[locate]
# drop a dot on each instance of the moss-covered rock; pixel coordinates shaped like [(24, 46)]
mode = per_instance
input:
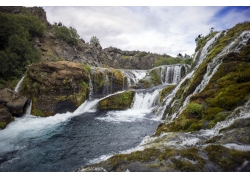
[(118, 101), (5, 116), (107, 81), (165, 91), (153, 159), (227, 159), (56, 87)]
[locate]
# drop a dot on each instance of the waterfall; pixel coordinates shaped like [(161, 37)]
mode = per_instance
[(145, 100), (213, 66), (90, 88), (168, 99), (133, 76), (17, 88)]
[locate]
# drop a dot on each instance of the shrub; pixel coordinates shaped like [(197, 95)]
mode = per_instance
[(194, 109), (141, 54), (167, 61), (16, 50), (94, 40), (69, 35)]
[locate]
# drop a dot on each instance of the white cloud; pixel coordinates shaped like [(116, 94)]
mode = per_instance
[(169, 30)]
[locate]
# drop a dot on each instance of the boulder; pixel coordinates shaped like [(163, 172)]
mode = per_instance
[(13, 101), (5, 116), (56, 87)]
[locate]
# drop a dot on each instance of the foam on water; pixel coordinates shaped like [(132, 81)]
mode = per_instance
[(29, 126)]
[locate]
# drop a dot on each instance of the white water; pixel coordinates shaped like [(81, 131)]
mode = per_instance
[(34, 126), (142, 106), (213, 66), (133, 76), (145, 100), (17, 88), (90, 88)]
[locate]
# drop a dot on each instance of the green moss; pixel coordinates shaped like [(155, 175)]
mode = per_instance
[(37, 112), (239, 123), (125, 57), (217, 118), (146, 155), (194, 109), (117, 101), (227, 159), (87, 68), (2, 125), (141, 54), (165, 91), (160, 60)]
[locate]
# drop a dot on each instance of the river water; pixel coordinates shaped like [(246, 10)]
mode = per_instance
[(66, 144)]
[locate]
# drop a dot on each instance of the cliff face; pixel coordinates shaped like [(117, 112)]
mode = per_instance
[(56, 87), (53, 48)]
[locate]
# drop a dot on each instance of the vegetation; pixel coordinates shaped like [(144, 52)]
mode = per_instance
[(141, 54), (69, 35), (94, 40), (167, 61), (118, 101), (201, 41), (227, 159), (16, 50), (194, 109)]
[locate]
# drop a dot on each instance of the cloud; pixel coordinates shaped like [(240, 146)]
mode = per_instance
[(169, 30)]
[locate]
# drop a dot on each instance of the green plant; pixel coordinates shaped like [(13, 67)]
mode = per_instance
[(141, 54), (86, 67), (194, 109), (94, 40), (160, 60), (16, 50), (69, 35)]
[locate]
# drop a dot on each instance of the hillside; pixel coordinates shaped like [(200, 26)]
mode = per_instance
[(206, 116), (78, 107)]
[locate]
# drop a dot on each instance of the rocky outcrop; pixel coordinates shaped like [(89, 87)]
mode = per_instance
[(107, 81), (14, 102), (5, 116), (118, 101), (56, 87), (36, 11), (54, 48), (11, 104)]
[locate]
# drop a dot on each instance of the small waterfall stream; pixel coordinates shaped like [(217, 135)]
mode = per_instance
[(17, 88)]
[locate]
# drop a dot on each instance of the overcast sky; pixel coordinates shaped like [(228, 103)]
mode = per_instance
[(158, 29), (158, 26)]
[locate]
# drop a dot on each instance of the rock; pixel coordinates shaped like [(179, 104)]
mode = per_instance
[(118, 101), (56, 87), (107, 81), (5, 116), (14, 102)]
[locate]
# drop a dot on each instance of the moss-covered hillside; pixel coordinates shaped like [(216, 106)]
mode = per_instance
[(206, 125)]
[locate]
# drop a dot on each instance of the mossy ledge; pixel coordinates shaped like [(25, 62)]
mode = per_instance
[(152, 159), (56, 87), (118, 101)]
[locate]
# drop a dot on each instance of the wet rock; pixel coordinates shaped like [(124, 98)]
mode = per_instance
[(14, 102), (54, 85), (117, 101), (5, 116)]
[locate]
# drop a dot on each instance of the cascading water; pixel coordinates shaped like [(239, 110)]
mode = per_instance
[(17, 88), (133, 76), (168, 99), (172, 74), (213, 66), (65, 142)]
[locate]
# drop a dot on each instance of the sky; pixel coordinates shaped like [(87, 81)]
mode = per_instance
[(157, 28)]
